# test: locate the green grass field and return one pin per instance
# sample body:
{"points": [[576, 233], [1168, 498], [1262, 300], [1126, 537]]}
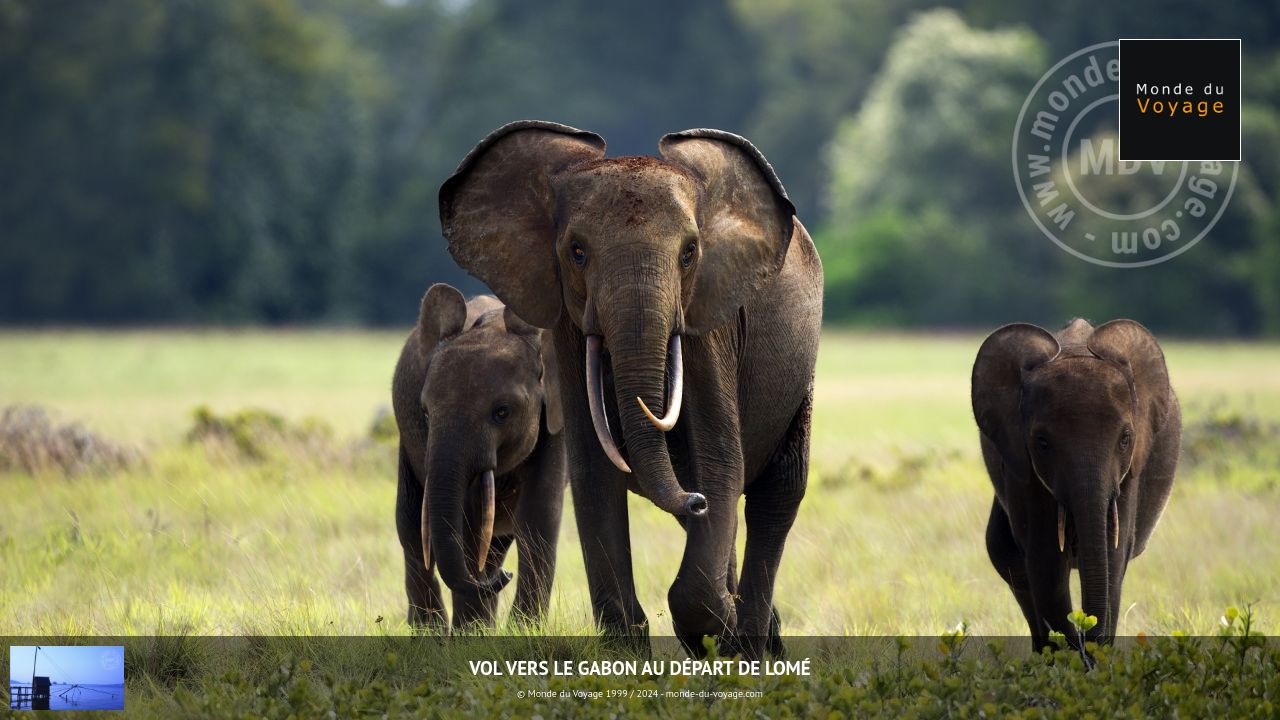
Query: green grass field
{"points": [[889, 539]]}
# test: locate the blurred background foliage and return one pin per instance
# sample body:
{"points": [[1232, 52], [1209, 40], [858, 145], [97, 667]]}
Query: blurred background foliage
{"points": [[277, 161]]}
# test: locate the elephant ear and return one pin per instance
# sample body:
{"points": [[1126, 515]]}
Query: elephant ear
{"points": [[996, 391], [541, 341], [745, 219], [442, 315], [497, 211], [1133, 347]]}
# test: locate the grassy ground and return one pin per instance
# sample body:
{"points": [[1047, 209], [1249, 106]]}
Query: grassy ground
{"points": [[889, 540]]}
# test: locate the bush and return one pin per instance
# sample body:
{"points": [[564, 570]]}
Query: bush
{"points": [[30, 442], [1234, 448], [258, 436]]}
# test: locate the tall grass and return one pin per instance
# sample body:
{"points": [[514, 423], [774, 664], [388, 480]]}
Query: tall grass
{"points": [[888, 541]]}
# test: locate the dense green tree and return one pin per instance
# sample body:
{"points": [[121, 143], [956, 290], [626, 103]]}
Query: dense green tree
{"points": [[176, 161], [926, 227], [278, 160], [924, 224]]}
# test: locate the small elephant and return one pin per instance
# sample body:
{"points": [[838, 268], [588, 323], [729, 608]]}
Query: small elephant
{"points": [[685, 302], [482, 459], [1080, 433]]}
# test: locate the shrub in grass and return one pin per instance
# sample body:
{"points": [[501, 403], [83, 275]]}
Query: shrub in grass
{"points": [[31, 442], [256, 435]]}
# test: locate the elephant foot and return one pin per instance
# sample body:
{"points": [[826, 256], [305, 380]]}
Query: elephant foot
{"points": [[775, 646], [627, 644], [754, 647], [698, 612]]}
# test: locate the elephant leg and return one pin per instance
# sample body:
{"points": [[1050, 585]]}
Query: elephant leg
{"points": [[728, 643], [1010, 563], [1118, 568], [599, 503], [470, 609], [537, 521], [426, 603], [700, 598], [600, 510], [773, 501], [1049, 575]]}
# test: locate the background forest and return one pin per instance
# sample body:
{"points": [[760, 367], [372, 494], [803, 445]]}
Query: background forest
{"points": [[277, 161]]}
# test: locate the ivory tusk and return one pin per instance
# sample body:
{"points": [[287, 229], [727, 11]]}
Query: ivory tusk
{"points": [[675, 362], [595, 398], [1062, 529], [486, 520], [1115, 524], [426, 532]]}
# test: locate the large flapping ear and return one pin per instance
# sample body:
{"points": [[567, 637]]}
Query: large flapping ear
{"points": [[745, 219], [497, 211], [541, 340], [442, 315], [996, 391], [1135, 350]]}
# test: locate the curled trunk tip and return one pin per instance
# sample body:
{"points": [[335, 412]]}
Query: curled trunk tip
{"points": [[446, 523], [695, 505]]}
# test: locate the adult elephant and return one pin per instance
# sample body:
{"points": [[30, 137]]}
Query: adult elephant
{"points": [[685, 301]]}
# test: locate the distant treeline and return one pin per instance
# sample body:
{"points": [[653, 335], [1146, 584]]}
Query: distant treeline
{"points": [[277, 161]]}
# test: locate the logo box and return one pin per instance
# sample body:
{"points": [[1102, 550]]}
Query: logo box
{"points": [[1180, 100]]}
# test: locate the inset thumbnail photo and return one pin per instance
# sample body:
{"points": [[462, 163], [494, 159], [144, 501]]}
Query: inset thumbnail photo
{"points": [[66, 677]]}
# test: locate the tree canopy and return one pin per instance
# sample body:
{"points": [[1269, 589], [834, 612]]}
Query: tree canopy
{"points": [[277, 161]]}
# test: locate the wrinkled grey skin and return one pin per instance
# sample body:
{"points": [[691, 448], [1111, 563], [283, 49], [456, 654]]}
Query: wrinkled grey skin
{"points": [[462, 361], [701, 244], [1076, 420]]}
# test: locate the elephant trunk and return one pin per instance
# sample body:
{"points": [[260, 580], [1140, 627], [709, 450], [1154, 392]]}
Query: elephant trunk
{"points": [[638, 319], [642, 376], [445, 530], [1094, 534]]}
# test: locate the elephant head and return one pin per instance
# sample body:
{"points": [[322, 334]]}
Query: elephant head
{"points": [[485, 401], [634, 252], [1079, 420]]}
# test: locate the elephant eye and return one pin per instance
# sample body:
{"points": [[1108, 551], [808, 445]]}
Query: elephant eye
{"points": [[500, 413], [1042, 442], [578, 252], [687, 255], [1125, 440]]}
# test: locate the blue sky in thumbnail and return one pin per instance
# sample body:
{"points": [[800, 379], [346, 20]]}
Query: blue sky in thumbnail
{"points": [[79, 664]]}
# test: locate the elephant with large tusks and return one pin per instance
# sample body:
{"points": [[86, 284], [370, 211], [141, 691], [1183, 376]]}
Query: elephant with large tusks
{"points": [[482, 459], [1080, 432], [685, 300]]}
